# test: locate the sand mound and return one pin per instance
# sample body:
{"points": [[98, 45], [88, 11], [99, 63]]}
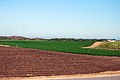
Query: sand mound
{"points": [[94, 45]]}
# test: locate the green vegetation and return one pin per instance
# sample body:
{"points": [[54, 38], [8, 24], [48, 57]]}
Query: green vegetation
{"points": [[110, 45], [63, 46]]}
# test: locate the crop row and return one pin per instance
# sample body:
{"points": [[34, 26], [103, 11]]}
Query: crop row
{"points": [[63, 46]]}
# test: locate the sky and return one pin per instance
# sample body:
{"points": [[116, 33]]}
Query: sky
{"points": [[60, 18]]}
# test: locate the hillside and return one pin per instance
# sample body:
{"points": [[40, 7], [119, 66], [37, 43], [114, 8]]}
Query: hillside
{"points": [[110, 45], [12, 38], [18, 38]]}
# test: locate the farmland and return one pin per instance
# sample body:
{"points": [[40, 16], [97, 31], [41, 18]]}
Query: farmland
{"points": [[23, 62], [63, 46], [110, 45]]}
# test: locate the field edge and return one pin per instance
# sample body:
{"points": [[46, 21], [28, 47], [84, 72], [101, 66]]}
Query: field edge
{"points": [[91, 75]]}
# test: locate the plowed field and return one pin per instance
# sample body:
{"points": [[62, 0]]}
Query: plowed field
{"points": [[16, 62]]}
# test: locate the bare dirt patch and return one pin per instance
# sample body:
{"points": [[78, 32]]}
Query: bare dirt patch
{"points": [[21, 62], [94, 45], [5, 45]]}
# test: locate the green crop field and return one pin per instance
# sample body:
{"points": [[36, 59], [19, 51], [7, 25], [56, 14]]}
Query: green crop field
{"points": [[110, 45], [63, 46]]}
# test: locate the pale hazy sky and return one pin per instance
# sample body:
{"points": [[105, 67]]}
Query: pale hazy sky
{"points": [[60, 18]]}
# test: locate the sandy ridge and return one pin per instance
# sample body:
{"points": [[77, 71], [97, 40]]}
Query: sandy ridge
{"points": [[94, 45]]}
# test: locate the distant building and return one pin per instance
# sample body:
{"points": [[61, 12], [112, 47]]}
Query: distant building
{"points": [[111, 40]]}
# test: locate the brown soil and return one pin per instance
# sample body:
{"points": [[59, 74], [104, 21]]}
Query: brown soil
{"points": [[21, 62], [94, 45]]}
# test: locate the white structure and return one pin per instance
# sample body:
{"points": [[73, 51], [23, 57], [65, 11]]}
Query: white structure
{"points": [[111, 40]]}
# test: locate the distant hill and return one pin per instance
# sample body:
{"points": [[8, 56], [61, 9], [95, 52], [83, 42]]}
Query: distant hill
{"points": [[52, 39], [18, 38], [4, 38]]}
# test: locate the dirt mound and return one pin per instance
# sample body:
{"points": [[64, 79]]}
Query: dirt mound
{"points": [[21, 62], [94, 45]]}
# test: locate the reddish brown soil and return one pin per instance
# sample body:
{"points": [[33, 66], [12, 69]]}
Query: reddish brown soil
{"points": [[16, 62]]}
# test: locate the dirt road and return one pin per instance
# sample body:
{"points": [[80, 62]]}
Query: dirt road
{"points": [[96, 78]]}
